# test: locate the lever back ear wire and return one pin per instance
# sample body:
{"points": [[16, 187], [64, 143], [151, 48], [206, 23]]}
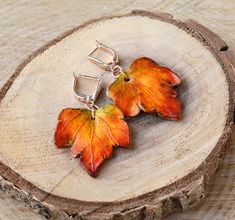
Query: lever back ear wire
{"points": [[106, 66], [112, 66], [87, 99]]}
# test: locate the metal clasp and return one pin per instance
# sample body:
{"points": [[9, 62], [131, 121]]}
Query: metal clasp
{"points": [[106, 65], [84, 96]]}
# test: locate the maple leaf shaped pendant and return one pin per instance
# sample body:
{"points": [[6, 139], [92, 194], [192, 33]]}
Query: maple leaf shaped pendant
{"points": [[92, 138], [149, 87]]}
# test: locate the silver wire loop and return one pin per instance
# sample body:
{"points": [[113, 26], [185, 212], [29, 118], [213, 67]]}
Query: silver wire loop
{"points": [[92, 107], [116, 71], [107, 66]]}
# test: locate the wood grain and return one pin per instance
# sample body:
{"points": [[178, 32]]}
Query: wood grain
{"points": [[174, 5]]}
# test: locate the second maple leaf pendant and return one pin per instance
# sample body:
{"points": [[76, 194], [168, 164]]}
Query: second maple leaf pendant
{"points": [[144, 86], [91, 132], [149, 87], [92, 138]]}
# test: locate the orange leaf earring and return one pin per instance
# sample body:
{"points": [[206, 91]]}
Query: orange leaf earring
{"points": [[91, 132], [144, 86]]}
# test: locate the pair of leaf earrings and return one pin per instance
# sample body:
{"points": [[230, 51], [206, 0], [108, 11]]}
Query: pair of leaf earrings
{"points": [[93, 132]]}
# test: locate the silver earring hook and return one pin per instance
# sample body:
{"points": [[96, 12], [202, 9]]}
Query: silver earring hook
{"points": [[111, 66], [88, 100]]}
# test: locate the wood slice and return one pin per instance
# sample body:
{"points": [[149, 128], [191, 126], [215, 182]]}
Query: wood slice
{"points": [[169, 163]]}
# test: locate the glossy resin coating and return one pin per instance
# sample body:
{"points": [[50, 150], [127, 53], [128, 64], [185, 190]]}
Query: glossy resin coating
{"points": [[92, 139], [149, 87]]}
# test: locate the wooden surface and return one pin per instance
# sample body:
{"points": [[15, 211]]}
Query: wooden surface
{"points": [[186, 213]]}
